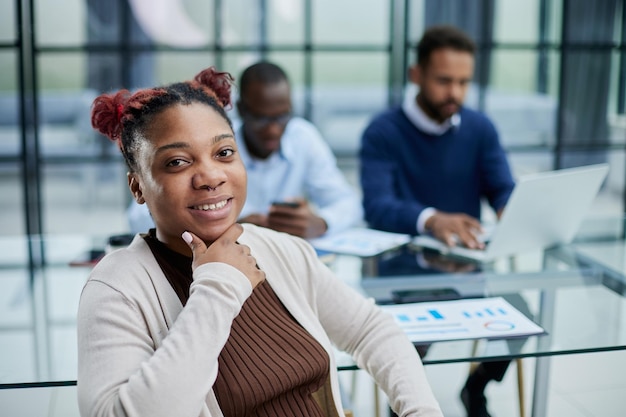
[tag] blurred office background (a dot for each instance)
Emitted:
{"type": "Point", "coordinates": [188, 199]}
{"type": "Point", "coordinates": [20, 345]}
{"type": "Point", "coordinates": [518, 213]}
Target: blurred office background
{"type": "Point", "coordinates": [550, 73]}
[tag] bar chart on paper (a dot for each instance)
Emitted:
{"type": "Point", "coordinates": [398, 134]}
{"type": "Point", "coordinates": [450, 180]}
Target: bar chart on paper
{"type": "Point", "coordinates": [461, 319]}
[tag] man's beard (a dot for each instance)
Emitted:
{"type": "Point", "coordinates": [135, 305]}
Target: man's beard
{"type": "Point", "coordinates": [434, 109]}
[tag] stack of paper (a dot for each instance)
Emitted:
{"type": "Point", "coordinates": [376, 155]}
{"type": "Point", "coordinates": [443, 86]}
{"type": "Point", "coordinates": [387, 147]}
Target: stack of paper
{"type": "Point", "coordinates": [360, 242]}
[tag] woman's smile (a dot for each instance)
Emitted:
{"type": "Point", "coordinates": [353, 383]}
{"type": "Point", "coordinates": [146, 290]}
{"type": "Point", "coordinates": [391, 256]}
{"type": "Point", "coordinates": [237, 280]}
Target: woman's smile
{"type": "Point", "coordinates": [213, 211]}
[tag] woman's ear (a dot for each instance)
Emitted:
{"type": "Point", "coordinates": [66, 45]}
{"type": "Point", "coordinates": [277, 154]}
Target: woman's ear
{"type": "Point", "coordinates": [135, 187]}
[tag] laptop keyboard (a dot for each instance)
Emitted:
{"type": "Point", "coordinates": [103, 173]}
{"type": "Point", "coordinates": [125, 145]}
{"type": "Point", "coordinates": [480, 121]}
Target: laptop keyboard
{"type": "Point", "coordinates": [482, 237]}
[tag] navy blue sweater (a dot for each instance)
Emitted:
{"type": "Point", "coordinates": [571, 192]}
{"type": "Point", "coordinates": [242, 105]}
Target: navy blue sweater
{"type": "Point", "coordinates": [404, 170]}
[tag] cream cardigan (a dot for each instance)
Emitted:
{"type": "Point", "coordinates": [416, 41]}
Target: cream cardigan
{"type": "Point", "coordinates": [140, 353]}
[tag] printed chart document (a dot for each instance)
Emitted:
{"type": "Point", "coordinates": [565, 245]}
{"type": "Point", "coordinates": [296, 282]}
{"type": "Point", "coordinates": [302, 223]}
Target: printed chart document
{"type": "Point", "coordinates": [360, 242]}
{"type": "Point", "coordinates": [490, 318]}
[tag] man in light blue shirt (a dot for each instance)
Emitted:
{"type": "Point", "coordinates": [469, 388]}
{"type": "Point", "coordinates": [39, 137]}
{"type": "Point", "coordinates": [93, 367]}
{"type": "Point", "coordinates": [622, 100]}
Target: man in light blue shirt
{"type": "Point", "coordinates": [294, 184]}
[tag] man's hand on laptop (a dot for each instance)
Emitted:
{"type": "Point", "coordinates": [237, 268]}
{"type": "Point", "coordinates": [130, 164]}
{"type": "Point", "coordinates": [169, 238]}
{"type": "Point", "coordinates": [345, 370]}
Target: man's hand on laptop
{"type": "Point", "coordinates": [454, 229]}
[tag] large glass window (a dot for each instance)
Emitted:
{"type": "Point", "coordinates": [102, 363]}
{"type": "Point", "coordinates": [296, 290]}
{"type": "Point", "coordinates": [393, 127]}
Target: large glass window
{"type": "Point", "coordinates": [287, 22]}
{"type": "Point", "coordinates": [61, 23]}
{"type": "Point", "coordinates": [8, 21]}
{"type": "Point", "coordinates": [9, 105]}
{"type": "Point", "coordinates": [517, 22]}
{"type": "Point", "coordinates": [550, 74]}
{"type": "Point", "coordinates": [335, 22]}
{"type": "Point", "coordinates": [12, 203]}
{"type": "Point", "coordinates": [349, 89]}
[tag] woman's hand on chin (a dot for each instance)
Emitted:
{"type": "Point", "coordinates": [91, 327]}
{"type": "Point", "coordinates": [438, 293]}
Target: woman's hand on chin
{"type": "Point", "coordinates": [226, 249]}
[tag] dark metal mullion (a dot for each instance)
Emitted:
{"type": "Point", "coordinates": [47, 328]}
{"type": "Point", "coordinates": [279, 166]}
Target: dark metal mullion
{"type": "Point", "coordinates": [398, 21]}
{"type": "Point", "coordinates": [406, 43]}
{"type": "Point", "coordinates": [37, 143]}
{"type": "Point", "coordinates": [390, 60]}
{"type": "Point", "coordinates": [263, 29]}
{"type": "Point", "coordinates": [621, 83]}
{"type": "Point", "coordinates": [231, 48]}
{"type": "Point", "coordinates": [308, 60]}
{"type": "Point", "coordinates": [22, 118]}
{"type": "Point", "coordinates": [543, 59]}
{"type": "Point", "coordinates": [31, 170]}
{"type": "Point", "coordinates": [621, 97]}
{"type": "Point", "coordinates": [486, 48]}
{"type": "Point", "coordinates": [217, 34]}
{"type": "Point", "coordinates": [125, 42]}
{"type": "Point", "coordinates": [565, 49]}
{"type": "Point", "coordinates": [573, 46]}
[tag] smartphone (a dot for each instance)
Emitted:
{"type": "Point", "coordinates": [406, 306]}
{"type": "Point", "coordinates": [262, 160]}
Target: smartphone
{"type": "Point", "coordinates": [418, 296]}
{"type": "Point", "coordinates": [290, 204]}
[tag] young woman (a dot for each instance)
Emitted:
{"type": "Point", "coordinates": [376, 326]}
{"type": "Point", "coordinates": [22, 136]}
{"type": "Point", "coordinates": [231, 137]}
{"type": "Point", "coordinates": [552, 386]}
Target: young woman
{"type": "Point", "coordinates": [203, 316]}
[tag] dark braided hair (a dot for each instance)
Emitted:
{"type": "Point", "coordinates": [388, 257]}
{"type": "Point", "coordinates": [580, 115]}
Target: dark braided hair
{"type": "Point", "coordinates": [123, 117]}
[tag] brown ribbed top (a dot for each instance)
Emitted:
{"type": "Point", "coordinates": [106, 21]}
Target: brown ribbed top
{"type": "Point", "coordinates": [270, 364]}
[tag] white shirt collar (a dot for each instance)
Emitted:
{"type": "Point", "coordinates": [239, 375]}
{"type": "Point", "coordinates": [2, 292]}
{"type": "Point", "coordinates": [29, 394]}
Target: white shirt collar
{"type": "Point", "coordinates": [417, 116]}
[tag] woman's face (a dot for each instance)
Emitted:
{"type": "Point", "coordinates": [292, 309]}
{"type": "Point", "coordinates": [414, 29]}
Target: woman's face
{"type": "Point", "coordinates": [190, 175]}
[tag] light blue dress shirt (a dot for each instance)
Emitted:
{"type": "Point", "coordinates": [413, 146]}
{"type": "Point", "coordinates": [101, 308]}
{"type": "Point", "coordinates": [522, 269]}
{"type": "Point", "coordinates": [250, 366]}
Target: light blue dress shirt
{"type": "Point", "coordinates": [303, 167]}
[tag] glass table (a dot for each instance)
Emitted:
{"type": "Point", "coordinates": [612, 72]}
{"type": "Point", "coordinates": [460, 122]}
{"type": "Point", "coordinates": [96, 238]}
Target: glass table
{"type": "Point", "coordinates": [579, 302]}
{"type": "Point", "coordinates": [575, 292]}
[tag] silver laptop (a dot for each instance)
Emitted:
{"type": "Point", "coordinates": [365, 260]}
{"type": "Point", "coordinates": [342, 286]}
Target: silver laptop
{"type": "Point", "coordinates": [544, 210]}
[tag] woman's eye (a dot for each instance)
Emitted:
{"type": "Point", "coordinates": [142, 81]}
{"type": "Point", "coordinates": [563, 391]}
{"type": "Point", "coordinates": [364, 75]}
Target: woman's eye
{"type": "Point", "coordinates": [175, 163]}
{"type": "Point", "coordinates": [225, 153]}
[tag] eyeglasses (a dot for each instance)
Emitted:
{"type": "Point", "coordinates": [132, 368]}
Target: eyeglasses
{"type": "Point", "coordinates": [261, 122]}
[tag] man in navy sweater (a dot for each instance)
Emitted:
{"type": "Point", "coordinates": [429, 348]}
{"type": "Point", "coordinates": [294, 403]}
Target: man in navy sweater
{"type": "Point", "coordinates": [426, 166]}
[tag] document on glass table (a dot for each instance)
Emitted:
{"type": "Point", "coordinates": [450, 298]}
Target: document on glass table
{"type": "Point", "coordinates": [477, 318]}
{"type": "Point", "coordinates": [360, 242]}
